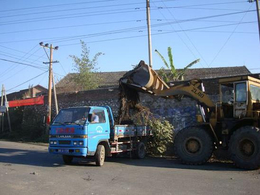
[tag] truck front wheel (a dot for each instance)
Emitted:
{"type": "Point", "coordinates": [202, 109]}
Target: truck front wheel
{"type": "Point", "coordinates": [67, 159]}
{"type": "Point", "coordinates": [100, 155]}
{"type": "Point", "coordinates": [193, 145]}
{"type": "Point", "coordinates": [244, 147]}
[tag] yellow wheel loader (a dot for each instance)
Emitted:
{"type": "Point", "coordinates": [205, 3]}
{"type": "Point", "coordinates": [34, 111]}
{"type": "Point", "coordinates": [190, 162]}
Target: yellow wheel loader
{"type": "Point", "coordinates": [232, 123]}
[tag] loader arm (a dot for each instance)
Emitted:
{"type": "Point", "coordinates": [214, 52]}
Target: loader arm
{"type": "Point", "coordinates": [144, 79]}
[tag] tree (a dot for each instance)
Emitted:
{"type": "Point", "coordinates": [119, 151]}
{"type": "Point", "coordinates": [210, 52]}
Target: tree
{"type": "Point", "coordinates": [86, 68]}
{"type": "Point", "coordinates": [173, 75]}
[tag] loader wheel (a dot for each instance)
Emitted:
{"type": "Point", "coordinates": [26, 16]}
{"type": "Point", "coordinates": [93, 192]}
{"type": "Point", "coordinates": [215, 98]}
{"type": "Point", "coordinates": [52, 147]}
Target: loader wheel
{"type": "Point", "coordinates": [193, 146]}
{"type": "Point", "coordinates": [244, 147]}
{"type": "Point", "coordinates": [100, 155]}
{"type": "Point", "coordinates": [67, 159]}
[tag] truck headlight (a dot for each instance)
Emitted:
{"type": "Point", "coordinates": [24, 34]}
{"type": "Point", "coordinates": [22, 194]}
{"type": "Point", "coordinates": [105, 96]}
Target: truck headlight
{"type": "Point", "coordinates": [74, 143]}
{"type": "Point", "coordinates": [51, 142]}
{"type": "Point", "coordinates": [54, 142]}
{"type": "Point", "coordinates": [81, 143]}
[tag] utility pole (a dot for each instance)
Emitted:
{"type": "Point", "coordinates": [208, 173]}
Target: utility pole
{"type": "Point", "coordinates": [149, 32]}
{"type": "Point", "coordinates": [55, 95]}
{"type": "Point", "coordinates": [258, 14]}
{"type": "Point", "coordinates": [48, 118]}
{"type": "Point", "coordinates": [2, 103]}
{"type": "Point", "coordinates": [7, 110]}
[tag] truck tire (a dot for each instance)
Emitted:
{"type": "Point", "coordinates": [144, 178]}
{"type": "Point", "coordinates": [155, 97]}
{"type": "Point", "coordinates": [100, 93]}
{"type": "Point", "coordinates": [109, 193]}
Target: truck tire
{"type": "Point", "coordinates": [67, 159]}
{"type": "Point", "coordinates": [100, 155]}
{"type": "Point", "coordinates": [244, 147]}
{"type": "Point", "coordinates": [193, 145]}
{"type": "Point", "coordinates": [140, 151]}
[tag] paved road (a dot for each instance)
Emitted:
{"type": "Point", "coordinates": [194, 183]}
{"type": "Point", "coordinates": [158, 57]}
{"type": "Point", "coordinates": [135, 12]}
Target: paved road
{"type": "Point", "coordinates": [29, 169]}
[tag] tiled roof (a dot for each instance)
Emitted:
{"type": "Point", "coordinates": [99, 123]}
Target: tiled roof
{"type": "Point", "coordinates": [109, 79]}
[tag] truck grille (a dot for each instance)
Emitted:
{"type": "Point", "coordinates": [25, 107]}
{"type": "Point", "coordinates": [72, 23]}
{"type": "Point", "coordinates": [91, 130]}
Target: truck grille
{"type": "Point", "coordinates": [64, 142]}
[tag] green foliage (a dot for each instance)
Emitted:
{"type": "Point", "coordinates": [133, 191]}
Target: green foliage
{"type": "Point", "coordinates": [86, 68]}
{"type": "Point", "coordinates": [26, 124]}
{"type": "Point", "coordinates": [173, 75]}
{"type": "Point", "coordinates": [32, 126]}
{"type": "Point", "coordinates": [162, 138]}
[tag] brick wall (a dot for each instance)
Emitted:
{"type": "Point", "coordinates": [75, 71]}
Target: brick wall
{"type": "Point", "coordinates": [179, 113]}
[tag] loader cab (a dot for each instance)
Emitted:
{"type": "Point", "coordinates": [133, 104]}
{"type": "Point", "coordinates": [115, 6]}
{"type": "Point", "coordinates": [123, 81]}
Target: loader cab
{"type": "Point", "coordinates": [239, 97]}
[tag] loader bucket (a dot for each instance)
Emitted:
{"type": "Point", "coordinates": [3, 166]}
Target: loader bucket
{"type": "Point", "coordinates": [144, 79]}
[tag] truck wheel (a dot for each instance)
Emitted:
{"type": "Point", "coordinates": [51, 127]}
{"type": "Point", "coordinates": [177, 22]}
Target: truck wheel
{"type": "Point", "coordinates": [244, 147]}
{"type": "Point", "coordinates": [140, 151]}
{"type": "Point", "coordinates": [193, 145]}
{"type": "Point", "coordinates": [100, 155]}
{"type": "Point", "coordinates": [67, 159]}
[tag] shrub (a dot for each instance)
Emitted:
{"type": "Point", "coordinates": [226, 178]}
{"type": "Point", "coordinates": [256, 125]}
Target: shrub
{"type": "Point", "coordinates": [162, 130]}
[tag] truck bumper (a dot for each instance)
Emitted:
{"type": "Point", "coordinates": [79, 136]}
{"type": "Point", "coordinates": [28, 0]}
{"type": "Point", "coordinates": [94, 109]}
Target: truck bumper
{"type": "Point", "coordinates": [69, 151]}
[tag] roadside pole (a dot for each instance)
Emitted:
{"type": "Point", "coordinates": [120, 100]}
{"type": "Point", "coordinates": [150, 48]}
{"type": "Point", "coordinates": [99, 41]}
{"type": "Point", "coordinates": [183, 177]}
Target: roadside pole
{"type": "Point", "coordinates": [2, 115]}
{"type": "Point", "coordinates": [149, 32]}
{"type": "Point", "coordinates": [7, 110]}
{"type": "Point", "coordinates": [258, 14]}
{"type": "Point", "coordinates": [48, 117]}
{"type": "Point", "coordinates": [55, 95]}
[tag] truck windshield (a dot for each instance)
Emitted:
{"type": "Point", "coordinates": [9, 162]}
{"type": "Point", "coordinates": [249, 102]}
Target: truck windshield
{"type": "Point", "coordinates": [72, 116]}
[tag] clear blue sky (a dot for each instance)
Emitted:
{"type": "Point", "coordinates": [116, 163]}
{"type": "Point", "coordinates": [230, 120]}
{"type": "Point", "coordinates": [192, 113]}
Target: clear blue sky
{"type": "Point", "coordinates": [219, 32]}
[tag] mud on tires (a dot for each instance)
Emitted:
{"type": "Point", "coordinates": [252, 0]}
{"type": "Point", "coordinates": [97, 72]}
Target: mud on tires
{"type": "Point", "coordinates": [193, 145]}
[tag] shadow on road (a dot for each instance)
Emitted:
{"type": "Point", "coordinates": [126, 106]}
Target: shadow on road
{"type": "Point", "coordinates": [213, 165]}
{"type": "Point", "coordinates": [44, 159]}
{"type": "Point", "coordinates": [29, 157]}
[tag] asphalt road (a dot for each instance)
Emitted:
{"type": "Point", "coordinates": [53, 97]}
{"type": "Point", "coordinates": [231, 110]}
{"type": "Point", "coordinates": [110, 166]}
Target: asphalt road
{"type": "Point", "coordinates": [29, 169]}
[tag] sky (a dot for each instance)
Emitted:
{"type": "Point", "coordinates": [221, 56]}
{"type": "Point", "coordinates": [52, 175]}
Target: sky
{"type": "Point", "coordinates": [221, 33]}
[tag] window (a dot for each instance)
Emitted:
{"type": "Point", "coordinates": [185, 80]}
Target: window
{"type": "Point", "coordinates": [241, 92]}
{"type": "Point", "coordinates": [72, 116]}
{"type": "Point", "coordinates": [101, 115]}
{"type": "Point", "coordinates": [255, 92]}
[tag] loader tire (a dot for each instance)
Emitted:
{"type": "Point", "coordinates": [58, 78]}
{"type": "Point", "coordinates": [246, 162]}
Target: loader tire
{"type": "Point", "coordinates": [244, 147]}
{"type": "Point", "coordinates": [193, 146]}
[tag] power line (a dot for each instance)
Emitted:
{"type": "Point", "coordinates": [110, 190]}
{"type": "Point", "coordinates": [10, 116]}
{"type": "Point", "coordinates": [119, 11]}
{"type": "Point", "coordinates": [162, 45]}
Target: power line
{"type": "Point", "coordinates": [71, 9]}
{"type": "Point", "coordinates": [28, 81]}
{"type": "Point", "coordinates": [56, 5]}
{"type": "Point", "coordinates": [72, 26]}
{"type": "Point", "coordinates": [62, 39]}
{"type": "Point", "coordinates": [229, 37]}
{"type": "Point", "coordinates": [188, 39]}
{"type": "Point", "coordinates": [6, 60]}
{"type": "Point", "coordinates": [71, 16]}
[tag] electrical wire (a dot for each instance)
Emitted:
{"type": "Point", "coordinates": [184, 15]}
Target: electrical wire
{"type": "Point", "coordinates": [27, 81]}
{"type": "Point", "coordinates": [25, 64]}
{"type": "Point", "coordinates": [229, 37]}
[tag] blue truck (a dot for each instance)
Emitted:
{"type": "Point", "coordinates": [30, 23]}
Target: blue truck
{"type": "Point", "coordinates": [90, 131]}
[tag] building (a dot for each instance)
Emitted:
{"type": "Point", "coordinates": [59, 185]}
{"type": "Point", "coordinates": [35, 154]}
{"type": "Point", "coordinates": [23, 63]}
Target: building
{"type": "Point", "coordinates": [31, 92]}
{"type": "Point", "coordinates": [110, 79]}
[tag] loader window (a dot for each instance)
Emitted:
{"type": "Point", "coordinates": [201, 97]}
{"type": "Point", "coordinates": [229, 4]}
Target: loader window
{"type": "Point", "coordinates": [255, 92]}
{"type": "Point", "coordinates": [240, 92]}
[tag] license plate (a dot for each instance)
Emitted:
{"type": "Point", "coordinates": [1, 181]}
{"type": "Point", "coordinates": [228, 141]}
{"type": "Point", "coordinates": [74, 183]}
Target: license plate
{"type": "Point", "coordinates": [63, 150]}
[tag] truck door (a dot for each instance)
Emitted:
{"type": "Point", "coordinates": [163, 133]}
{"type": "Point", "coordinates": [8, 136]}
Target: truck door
{"type": "Point", "coordinates": [98, 130]}
{"type": "Point", "coordinates": [240, 103]}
